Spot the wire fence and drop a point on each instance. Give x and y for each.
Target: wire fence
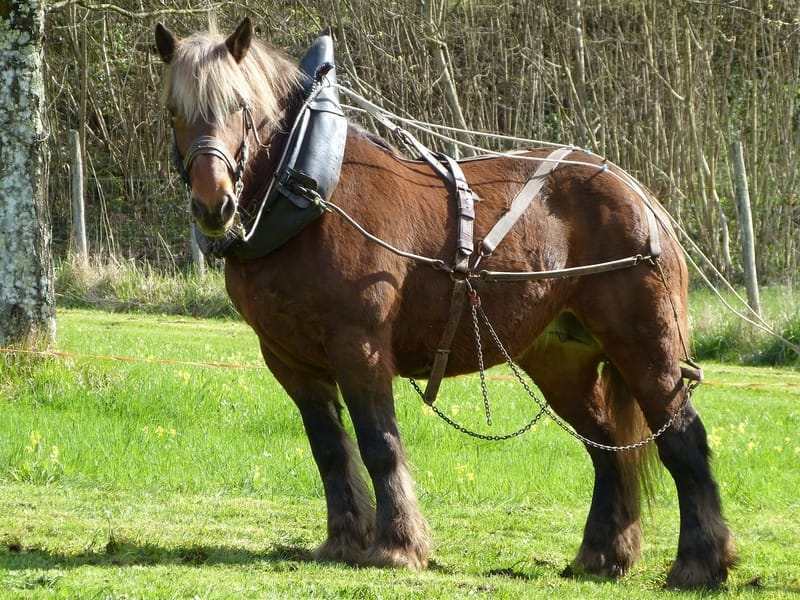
(135, 217)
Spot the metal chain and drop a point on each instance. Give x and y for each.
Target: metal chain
(477, 309)
(481, 436)
(560, 422)
(474, 301)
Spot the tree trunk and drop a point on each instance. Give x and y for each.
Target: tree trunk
(26, 273)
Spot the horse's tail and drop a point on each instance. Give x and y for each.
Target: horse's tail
(637, 467)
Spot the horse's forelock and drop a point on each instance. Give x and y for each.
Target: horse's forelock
(205, 83)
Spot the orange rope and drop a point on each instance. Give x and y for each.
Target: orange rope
(241, 366)
(132, 359)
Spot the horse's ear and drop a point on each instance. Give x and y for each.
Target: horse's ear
(166, 42)
(239, 42)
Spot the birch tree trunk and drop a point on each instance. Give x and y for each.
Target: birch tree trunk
(26, 271)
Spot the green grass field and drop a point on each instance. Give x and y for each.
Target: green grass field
(138, 480)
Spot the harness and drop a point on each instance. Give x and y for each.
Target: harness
(306, 176)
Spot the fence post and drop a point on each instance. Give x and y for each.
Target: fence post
(745, 225)
(78, 201)
(198, 260)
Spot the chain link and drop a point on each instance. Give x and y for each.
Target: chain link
(474, 301)
(480, 436)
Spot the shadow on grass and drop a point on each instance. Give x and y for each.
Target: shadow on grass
(125, 553)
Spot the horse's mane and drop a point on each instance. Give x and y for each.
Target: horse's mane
(204, 82)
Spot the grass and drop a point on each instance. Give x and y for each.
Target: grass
(138, 480)
(125, 286)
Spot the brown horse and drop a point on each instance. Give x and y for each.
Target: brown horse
(334, 312)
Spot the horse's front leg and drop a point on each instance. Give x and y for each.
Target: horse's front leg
(350, 513)
(365, 376)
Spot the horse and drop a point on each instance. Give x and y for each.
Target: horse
(335, 314)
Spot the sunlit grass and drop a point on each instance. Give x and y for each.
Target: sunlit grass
(170, 481)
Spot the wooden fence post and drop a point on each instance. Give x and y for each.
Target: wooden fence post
(78, 200)
(198, 260)
(745, 225)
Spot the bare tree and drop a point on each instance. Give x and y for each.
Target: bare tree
(26, 280)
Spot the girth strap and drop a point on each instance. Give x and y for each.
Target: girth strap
(522, 201)
(445, 343)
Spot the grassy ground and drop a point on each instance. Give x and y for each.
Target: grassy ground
(129, 480)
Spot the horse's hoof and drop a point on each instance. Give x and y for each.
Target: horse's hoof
(404, 558)
(695, 574)
(709, 572)
(340, 549)
(608, 564)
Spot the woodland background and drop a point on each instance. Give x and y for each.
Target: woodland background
(660, 87)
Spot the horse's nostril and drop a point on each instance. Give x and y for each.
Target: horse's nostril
(197, 208)
(228, 207)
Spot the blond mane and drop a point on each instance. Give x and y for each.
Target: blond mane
(205, 83)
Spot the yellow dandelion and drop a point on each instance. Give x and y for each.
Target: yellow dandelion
(160, 431)
(35, 439)
(460, 468)
(470, 476)
(172, 432)
(750, 446)
(778, 448)
(714, 440)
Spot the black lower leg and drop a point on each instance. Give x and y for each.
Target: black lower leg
(350, 513)
(612, 536)
(400, 531)
(705, 547)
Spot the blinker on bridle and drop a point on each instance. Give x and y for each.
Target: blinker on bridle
(212, 146)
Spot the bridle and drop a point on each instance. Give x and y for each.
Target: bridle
(213, 146)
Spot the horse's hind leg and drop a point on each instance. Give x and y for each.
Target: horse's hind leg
(350, 512)
(567, 373)
(634, 321)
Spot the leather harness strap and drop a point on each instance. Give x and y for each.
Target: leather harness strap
(465, 208)
(522, 201)
(446, 341)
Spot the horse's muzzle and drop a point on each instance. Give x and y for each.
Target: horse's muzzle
(214, 222)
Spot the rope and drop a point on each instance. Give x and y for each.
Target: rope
(251, 367)
(133, 359)
(617, 173)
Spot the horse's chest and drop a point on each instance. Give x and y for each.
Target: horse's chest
(285, 321)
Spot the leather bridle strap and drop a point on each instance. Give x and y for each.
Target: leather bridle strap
(212, 146)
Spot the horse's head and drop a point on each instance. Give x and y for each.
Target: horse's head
(225, 96)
